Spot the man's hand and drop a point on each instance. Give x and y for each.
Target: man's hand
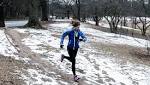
(61, 46)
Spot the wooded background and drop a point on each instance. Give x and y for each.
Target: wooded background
(115, 12)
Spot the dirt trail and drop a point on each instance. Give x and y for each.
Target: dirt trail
(46, 67)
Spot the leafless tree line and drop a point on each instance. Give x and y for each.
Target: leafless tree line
(30, 9)
(113, 11)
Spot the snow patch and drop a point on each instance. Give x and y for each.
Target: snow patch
(15, 23)
(6, 48)
(36, 77)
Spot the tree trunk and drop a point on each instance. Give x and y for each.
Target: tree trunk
(143, 33)
(113, 28)
(144, 30)
(96, 17)
(68, 14)
(124, 21)
(33, 15)
(78, 9)
(84, 18)
(44, 6)
(2, 22)
(135, 23)
(96, 20)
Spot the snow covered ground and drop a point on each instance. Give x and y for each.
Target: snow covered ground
(6, 48)
(15, 23)
(104, 24)
(94, 66)
(37, 78)
(96, 69)
(99, 36)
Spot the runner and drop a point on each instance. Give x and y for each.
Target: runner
(75, 36)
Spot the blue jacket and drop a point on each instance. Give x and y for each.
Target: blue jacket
(74, 36)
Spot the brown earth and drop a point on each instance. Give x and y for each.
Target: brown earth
(10, 71)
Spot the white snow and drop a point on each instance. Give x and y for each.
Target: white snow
(99, 36)
(60, 25)
(91, 66)
(15, 23)
(35, 77)
(106, 25)
(62, 20)
(6, 48)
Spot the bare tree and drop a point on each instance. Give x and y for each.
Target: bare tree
(143, 23)
(44, 6)
(134, 22)
(112, 14)
(98, 13)
(78, 4)
(96, 17)
(125, 7)
(68, 5)
(3, 4)
(33, 15)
